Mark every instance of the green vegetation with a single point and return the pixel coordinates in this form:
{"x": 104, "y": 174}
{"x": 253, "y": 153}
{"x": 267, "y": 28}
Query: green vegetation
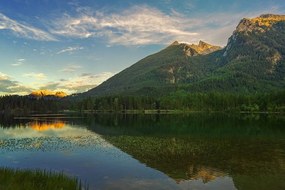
{"x": 21, "y": 105}
{"x": 252, "y": 62}
{"x": 180, "y": 100}
{"x": 198, "y": 125}
{"x": 175, "y": 155}
{"x": 246, "y": 76}
{"x": 34, "y": 180}
{"x": 176, "y": 102}
{"x": 249, "y": 149}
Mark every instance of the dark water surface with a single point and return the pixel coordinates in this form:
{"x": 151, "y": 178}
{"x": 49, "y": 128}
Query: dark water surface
{"x": 196, "y": 151}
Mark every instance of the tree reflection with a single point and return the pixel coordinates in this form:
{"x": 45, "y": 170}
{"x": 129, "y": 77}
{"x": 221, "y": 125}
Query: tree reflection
{"x": 203, "y": 147}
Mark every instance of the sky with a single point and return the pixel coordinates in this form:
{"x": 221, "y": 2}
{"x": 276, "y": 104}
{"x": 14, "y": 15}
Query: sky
{"x": 74, "y": 45}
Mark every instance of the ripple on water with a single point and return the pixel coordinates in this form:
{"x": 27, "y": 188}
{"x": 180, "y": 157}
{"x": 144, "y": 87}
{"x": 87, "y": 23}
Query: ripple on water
{"x": 52, "y": 143}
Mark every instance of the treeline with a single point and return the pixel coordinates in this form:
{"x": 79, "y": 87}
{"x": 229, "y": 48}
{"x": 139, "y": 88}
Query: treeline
{"x": 19, "y": 105}
{"x": 180, "y": 100}
{"x": 274, "y": 102}
{"x": 118, "y": 103}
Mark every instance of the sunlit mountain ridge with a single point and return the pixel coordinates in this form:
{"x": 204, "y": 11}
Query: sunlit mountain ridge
{"x": 251, "y": 62}
{"x": 202, "y": 48}
{"x": 43, "y": 93}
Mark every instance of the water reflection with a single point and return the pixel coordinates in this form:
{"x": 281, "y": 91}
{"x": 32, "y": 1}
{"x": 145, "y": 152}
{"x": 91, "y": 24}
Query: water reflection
{"x": 205, "y": 174}
{"x": 203, "y": 148}
{"x": 157, "y": 151}
{"x": 44, "y": 126}
{"x": 47, "y": 135}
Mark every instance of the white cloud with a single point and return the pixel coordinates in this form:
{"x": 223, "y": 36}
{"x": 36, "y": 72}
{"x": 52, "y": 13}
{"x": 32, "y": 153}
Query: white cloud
{"x": 216, "y": 28}
{"x": 135, "y": 26}
{"x": 78, "y": 84}
{"x": 18, "y": 62}
{"x": 71, "y": 68}
{"x": 37, "y": 76}
{"x": 143, "y": 25}
{"x": 23, "y": 30}
{"x": 3, "y": 76}
{"x": 70, "y": 50}
{"x": 9, "y": 86}
{"x": 51, "y": 130}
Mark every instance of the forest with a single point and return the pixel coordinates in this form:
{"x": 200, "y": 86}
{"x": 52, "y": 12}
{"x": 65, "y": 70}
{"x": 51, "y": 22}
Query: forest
{"x": 179, "y": 101}
{"x": 274, "y": 102}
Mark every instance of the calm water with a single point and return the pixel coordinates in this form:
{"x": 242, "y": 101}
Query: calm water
{"x": 151, "y": 151}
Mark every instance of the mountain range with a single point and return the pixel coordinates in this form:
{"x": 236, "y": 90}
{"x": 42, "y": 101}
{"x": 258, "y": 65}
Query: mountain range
{"x": 45, "y": 93}
{"x": 251, "y": 62}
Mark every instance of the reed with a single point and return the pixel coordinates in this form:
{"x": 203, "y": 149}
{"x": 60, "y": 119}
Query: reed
{"x": 15, "y": 179}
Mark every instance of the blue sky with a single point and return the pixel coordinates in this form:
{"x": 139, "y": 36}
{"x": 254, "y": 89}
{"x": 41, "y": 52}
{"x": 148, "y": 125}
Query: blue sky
{"x": 74, "y": 45}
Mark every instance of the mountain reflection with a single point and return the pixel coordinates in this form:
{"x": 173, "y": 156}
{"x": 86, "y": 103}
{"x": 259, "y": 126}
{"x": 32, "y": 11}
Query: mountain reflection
{"x": 44, "y": 125}
{"x": 46, "y": 134}
{"x": 205, "y": 174}
{"x": 203, "y": 148}
{"x": 31, "y": 127}
{"x": 244, "y": 152}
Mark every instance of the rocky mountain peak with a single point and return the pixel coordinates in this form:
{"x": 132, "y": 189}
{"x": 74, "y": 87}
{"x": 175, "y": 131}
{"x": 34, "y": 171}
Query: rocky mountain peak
{"x": 203, "y": 44}
{"x": 60, "y": 94}
{"x": 175, "y": 43}
{"x": 254, "y": 26}
{"x": 43, "y": 93}
{"x": 202, "y": 48}
{"x": 261, "y": 23}
{"x": 272, "y": 16}
{"x": 252, "y": 62}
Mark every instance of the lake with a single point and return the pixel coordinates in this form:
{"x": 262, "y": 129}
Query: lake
{"x": 109, "y": 151}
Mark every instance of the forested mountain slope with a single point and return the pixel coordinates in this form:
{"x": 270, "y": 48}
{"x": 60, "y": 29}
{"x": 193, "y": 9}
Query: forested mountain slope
{"x": 251, "y": 62}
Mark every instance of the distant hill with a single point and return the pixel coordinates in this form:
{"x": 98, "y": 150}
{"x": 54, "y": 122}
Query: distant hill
{"x": 47, "y": 93}
{"x": 251, "y": 62}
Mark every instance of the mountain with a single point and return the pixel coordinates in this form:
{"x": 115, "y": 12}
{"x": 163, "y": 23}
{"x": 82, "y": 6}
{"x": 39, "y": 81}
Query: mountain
{"x": 160, "y": 70}
{"x": 202, "y": 48}
{"x": 255, "y": 53}
{"x": 252, "y": 61}
{"x": 47, "y": 93}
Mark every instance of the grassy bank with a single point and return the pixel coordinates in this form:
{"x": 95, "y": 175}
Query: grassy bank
{"x": 36, "y": 179}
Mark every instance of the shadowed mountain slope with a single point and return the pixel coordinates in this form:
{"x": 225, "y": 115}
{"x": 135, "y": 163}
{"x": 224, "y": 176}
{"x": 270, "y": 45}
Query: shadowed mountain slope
{"x": 252, "y": 61}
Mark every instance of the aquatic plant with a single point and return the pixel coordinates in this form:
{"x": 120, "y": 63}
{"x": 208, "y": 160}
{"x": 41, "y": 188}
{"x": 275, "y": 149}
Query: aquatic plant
{"x": 14, "y": 179}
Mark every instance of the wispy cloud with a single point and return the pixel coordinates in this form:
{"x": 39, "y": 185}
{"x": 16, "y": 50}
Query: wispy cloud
{"x": 71, "y": 68}
{"x": 144, "y": 25}
{"x": 78, "y": 84}
{"x": 9, "y": 86}
{"x": 19, "y": 62}
{"x": 70, "y": 50}
{"x": 3, "y": 76}
{"x": 138, "y": 25}
{"x": 37, "y": 76}
{"x": 24, "y": 30}
{"x": 217, "y": 27}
